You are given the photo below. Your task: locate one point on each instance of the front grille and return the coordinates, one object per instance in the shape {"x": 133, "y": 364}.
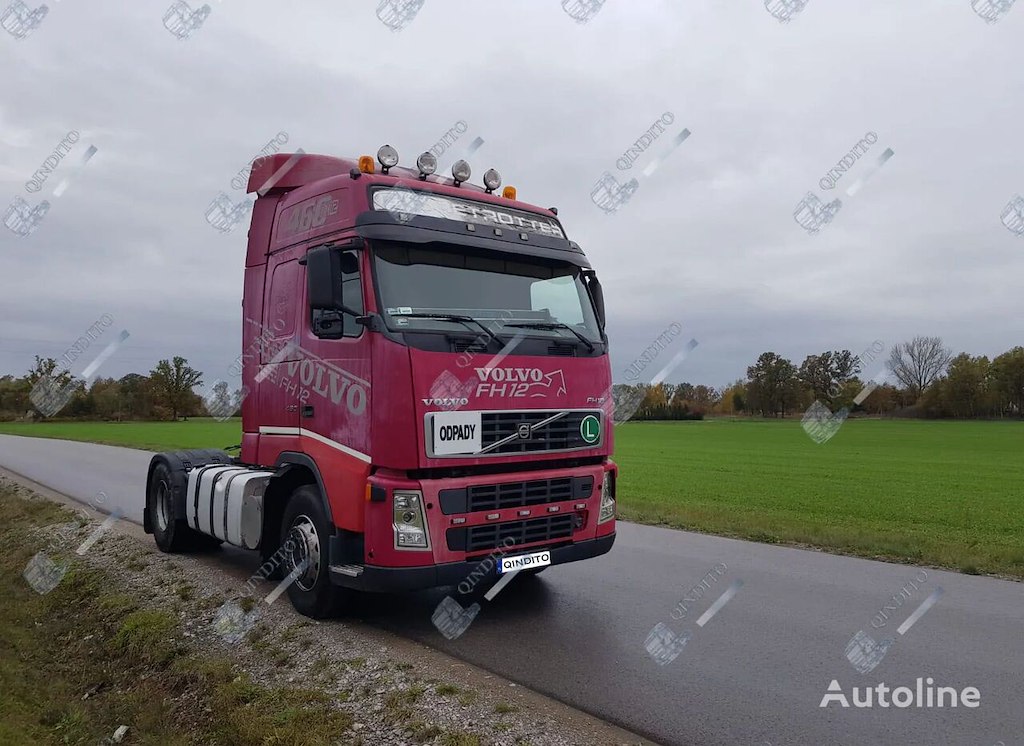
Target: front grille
{"x": 514, "y": 494}
{"x": 558, "y": 435}
{"x": 492, "y": 536}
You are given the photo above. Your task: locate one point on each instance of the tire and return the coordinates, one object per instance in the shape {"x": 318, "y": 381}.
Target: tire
{"x": 172, "y": 535}
{"x": 305, "y": 533}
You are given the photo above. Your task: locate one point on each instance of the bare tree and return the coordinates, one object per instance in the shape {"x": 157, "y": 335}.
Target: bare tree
{"x": 919, "y": 362}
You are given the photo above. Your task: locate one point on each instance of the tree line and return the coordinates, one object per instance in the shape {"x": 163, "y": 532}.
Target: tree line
{"x": 166, "y": 393}
{"x": 919, "y": 378}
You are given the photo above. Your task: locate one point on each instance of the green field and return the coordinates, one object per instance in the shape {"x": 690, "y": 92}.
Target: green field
{"x": 935, "y": 493}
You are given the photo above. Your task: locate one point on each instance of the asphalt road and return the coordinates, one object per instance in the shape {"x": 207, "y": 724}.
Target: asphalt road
{"x": 755, "y": 673}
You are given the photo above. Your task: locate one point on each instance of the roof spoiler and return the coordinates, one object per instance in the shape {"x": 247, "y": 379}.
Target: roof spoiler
{"x": 291, "y": 170}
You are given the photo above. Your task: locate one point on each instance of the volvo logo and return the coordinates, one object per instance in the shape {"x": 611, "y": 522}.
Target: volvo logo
{"x": 525, "y": 431}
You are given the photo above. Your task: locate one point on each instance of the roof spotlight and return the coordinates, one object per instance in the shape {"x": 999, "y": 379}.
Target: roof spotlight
{"x": 427, "y": 164}
{"x": 460, "y": 172}
{"x": 388, "y": 157}
{"x": 492, "y": 180}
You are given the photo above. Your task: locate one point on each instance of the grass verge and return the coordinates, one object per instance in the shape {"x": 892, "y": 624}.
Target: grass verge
{"x": 81, "y": 660}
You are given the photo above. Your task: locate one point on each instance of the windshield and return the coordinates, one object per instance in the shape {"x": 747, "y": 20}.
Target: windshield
{"x": 417, "y": 285}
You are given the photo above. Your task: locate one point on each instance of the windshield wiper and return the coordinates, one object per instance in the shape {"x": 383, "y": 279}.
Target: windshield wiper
{"x": 451, "y": 317}
{"x": 555, "y": 325}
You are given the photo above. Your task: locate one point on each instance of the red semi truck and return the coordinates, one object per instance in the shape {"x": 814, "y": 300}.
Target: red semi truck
{"x": 426, "y": 381}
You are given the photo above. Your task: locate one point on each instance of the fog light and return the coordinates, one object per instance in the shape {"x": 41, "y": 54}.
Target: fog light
{"x": 492, "y": 180}
{"x": 461, "y": 172}
{"x": 388, "y": 157}
{"x": 427, "y": 164}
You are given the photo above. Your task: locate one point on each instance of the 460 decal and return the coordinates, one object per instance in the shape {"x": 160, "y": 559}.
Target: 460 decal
{"x": 310, "y": 214}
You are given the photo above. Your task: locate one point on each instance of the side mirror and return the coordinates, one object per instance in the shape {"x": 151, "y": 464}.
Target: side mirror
{"x": 323, "y": 278}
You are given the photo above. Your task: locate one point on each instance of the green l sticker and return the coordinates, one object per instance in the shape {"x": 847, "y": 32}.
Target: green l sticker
{"x": 590, "y": 429}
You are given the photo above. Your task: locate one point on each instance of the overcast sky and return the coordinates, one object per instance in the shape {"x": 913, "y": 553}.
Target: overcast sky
{"x": 708, "y": 240}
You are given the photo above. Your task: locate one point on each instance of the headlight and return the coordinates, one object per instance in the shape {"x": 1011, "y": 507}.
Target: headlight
{"x": 410, "y": 524}
{"x": 607, "y": 498}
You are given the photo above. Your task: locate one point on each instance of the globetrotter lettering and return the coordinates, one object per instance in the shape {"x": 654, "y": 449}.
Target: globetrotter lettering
{"x": 456, "y": 432}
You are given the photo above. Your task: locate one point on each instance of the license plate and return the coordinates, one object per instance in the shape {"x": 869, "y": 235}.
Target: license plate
{"x": 524, "y": 562}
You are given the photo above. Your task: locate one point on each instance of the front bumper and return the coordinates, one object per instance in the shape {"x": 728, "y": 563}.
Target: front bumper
{"x": 393, "y": 579}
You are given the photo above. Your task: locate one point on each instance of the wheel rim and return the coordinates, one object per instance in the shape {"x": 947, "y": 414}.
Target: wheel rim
{"x": 163, "y": 506}
{"x": 302, "y": 550}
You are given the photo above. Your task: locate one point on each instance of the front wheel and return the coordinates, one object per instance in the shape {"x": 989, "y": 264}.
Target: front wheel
{"x": 304, "y": 541}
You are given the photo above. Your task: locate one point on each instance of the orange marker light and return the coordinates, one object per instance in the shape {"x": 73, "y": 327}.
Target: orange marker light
{"x": 509, "y": 192}
{"x": 366, "y": 164}
{"x": 367, "y": 492}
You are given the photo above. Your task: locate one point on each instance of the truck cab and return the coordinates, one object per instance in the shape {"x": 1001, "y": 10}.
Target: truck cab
{"x": 426, "y": 387}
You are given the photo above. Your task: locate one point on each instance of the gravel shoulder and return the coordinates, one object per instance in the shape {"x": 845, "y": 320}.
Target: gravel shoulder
{"x": 384, "y": 689}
